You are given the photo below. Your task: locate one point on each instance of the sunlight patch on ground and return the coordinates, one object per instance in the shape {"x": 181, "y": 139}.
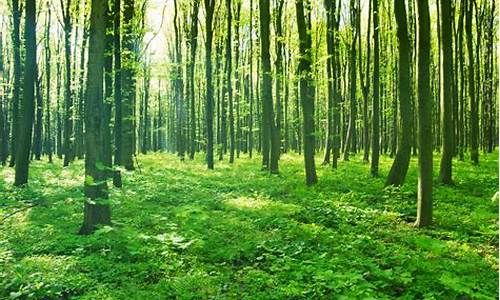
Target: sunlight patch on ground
{"x": 248, "y": 202}
{"x": 261, "y": 203}
{"x": 8, "y": 175}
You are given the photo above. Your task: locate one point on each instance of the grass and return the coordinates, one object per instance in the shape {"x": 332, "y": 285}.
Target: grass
{"x": 183, "y": 232}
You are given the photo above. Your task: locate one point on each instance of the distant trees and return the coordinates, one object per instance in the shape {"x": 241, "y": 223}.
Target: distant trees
{"x": 273, "y": 77}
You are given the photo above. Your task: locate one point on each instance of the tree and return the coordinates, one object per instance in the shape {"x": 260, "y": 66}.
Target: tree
{"x": 365, "y": 83}
{"x": 306, "y": 88}
{"x": 270, "y": 145}
{"x": 48, "y": 130}
{"x": 27, "y": 108}
{"x": 376, "y": 94}
{"x": 446, "y": 81}
{"x": 68, "y": 100}
{"x": 279, "y": 45}
{"x": 424, "y": 204}
{"x": 351, "y": 129}
{"x": 474, "y": 119}
{"x": 229, "y": 86}
{"x": 117, "y": 48}
{"x": 108, "y": 89}
{"x": 128, "y": 72}
{"x": 179, "y": 89}
{"x": 399, "y": 168}
{"x": 16, "y": 49}
{"x": 193, "y": 43}
{"x": 96, "y": 210}
{"x": 209, "y": 106}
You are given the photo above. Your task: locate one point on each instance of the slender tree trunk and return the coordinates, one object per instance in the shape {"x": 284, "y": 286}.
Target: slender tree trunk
{"x": 179, "y": 89}
{"x": 279, "y": 44}
{"x": 349, "y": 144}
{"x": 96, "y": 210}
{"x": 250, "y": 100}
{"x": 193, "y": 46}
{"x": 376, "y": 96}
{"x": 108, "y": 90}
{"x": 48, "y": 130}
{"x": 128, "y": 73}
{"x": 229, "y": 85}
{"x": 209, "y": 110}
{"x": 446, "y": 71}
{"x": 399, "y": 167}
{"x": 424, "y": 204}
{"x": 474, "y": 123}
{"x": 365, "y": 86}
{"x": 117, "y": 48}
{"x": 27, "y": 107}
{"x": 16, "y": 51}
{"x": 306, "y": 89}
{"x": 270, "y": 151}
{"x": 38, "y": 126}
{"x": 59, "y": 124}
{"x": 4, "y": 134}
{"x": 68, "y": 101}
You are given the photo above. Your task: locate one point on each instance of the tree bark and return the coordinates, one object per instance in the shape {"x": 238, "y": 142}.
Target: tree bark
{"x": 424, "y": 203}
{"x": 399, "y": 168}
{"x": 27, "y": 108}
{"x": 306, "y": 89}
{"x": 97, "y": 210}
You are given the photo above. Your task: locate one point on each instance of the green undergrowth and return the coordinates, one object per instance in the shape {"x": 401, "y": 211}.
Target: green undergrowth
{"x": 182, "y": 232}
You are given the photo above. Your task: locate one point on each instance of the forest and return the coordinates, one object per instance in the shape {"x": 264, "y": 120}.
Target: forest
{"x": 249, "y": 149}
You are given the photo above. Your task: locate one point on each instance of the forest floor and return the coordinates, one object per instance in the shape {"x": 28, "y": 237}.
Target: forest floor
{"x": 183, "y": 232}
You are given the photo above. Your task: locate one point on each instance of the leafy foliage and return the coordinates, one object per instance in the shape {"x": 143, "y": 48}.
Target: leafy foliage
{"x": 181, "y": 231}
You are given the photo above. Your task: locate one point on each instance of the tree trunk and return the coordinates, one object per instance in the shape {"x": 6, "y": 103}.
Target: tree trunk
{"x": 424, "y": 204}
{"x": 97, "y": 210}
{"x": 350, "y": 136}
{"x": 27, "y": 107}
{"x": 209, "y": 110}
{"x": 229, "y": 86}
{"x": 399, "y": 167}
{"x": 48, "y": 130}
{"x": 270, "y": 151}
{"x": 128, "y": 73}
{"x": 306, "y": 90}
{"x": 193, "y": 46}
{"x": 446, "y": 71}
{"x": 376, "y": 97}
{"x": 68, "y": 100}
{"x": 117, "y": 50}
{"x": 16, "y": 45}
{"x": 474, "y": 123}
